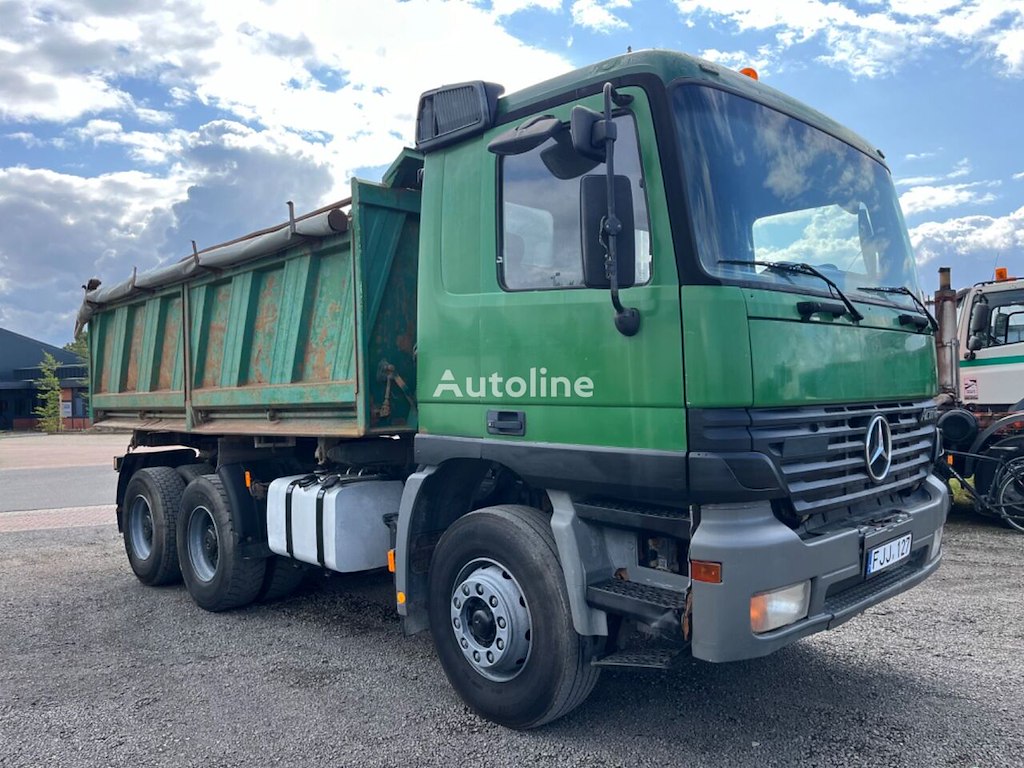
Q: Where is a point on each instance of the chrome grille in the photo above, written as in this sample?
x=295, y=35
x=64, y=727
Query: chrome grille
x=821, y=451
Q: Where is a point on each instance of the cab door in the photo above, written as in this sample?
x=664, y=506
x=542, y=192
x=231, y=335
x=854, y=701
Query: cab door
x=515, y=348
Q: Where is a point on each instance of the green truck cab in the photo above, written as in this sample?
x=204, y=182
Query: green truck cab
x=627, y=365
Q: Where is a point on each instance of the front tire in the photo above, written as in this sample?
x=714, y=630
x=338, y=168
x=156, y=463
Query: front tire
x=150, y=506
x=214, y=572
x=501, y=620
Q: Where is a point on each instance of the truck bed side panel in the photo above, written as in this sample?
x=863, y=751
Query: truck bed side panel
x=311, y=340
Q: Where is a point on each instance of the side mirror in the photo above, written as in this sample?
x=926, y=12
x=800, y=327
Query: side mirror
x=593, y=209
x=981, y=313
x=589, y=129
x=975, y=343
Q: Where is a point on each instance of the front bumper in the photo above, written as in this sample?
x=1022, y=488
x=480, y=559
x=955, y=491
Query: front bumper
x=759, y=553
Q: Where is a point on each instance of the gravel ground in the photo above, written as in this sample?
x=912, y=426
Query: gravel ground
x=98, y=670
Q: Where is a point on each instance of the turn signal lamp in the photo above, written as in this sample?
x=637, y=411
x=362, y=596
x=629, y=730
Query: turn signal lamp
x=750, y=72
x=703, y=570
x=391, y=561
x=1002, y=273
x=779, y=607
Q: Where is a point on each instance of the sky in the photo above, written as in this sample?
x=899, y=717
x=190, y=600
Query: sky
x=129, y=128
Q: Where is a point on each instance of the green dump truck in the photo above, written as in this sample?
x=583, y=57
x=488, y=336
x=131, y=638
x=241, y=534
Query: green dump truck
x=623, y=366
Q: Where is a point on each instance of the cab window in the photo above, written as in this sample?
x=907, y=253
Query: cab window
x=540, y=242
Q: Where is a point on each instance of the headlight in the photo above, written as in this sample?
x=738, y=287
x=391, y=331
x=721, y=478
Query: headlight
x=779, y=607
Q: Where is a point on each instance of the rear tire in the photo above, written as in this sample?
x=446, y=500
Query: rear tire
x=501, y=620
x=214, y=572
x=150, y=507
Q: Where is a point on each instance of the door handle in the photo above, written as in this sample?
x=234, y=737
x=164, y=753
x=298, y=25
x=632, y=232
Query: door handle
x=506, y=423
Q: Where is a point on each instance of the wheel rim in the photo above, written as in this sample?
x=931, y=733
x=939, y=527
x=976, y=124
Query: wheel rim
x=203, y=546
x=140, y=527
x=491, y=620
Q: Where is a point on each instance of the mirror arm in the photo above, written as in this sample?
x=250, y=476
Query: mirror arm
x=627, y=319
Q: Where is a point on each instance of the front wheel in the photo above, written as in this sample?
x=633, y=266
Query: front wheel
x=501, y=620
x=216, y=575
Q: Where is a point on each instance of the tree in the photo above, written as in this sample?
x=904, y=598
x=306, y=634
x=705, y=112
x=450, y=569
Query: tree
x=80, y=348
x=49, y=392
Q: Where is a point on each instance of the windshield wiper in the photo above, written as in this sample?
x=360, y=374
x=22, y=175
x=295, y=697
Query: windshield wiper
x=900, y=289
x=803, y=269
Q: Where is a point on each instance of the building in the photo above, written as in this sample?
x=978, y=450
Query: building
x=20, y=357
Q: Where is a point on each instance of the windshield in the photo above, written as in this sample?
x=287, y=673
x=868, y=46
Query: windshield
x=763, y=186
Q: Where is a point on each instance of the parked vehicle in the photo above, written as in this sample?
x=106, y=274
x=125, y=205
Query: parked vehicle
x=622, y=366
x=980, y=347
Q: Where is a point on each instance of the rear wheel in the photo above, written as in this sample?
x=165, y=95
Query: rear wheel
x=501, y=621
x=1009, y=494
x=150, y=507
x=214, y=572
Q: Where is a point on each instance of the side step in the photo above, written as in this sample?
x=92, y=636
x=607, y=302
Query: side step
x=654, y=658
x=670, y=521
x=641, y=601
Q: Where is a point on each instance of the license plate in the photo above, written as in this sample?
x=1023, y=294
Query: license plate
x=889, y=554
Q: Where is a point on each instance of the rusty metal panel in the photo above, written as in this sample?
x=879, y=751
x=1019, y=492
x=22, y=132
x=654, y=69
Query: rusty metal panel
x=316, y=339
x=273, y=344
x=386, y=231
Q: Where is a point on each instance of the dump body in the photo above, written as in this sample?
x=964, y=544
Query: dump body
x=298, y=341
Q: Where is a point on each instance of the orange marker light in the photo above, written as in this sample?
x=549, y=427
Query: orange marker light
x=758, y=613
x=391, y=561
x=1002, y=273
x=702, y=570
x=248, y=479
x=400, y=597
x=750, y=72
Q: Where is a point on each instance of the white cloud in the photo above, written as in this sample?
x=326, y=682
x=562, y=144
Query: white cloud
x=1018, y=176
x=961, y=169
x=508, y=7
x=919, y=155
x=145, y=147
x=972, y=245
x=929, y=198
x=882, y=38
x=27, y=138
x=916, y=181
x=597, y=14
x=761, y=61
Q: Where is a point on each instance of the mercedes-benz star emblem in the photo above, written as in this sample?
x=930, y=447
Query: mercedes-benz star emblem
x=878, y=448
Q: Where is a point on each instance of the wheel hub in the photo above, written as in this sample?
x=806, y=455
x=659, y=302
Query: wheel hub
x=140, y=527
x=203, y=548
x=491, y=620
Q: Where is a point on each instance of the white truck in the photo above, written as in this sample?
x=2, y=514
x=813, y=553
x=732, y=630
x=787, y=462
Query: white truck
x=980, y=346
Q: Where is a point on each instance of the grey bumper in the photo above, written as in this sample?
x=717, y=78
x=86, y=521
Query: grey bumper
x=758, y=553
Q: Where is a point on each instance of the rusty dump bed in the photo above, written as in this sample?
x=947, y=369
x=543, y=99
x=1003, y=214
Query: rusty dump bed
x=296, y=330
